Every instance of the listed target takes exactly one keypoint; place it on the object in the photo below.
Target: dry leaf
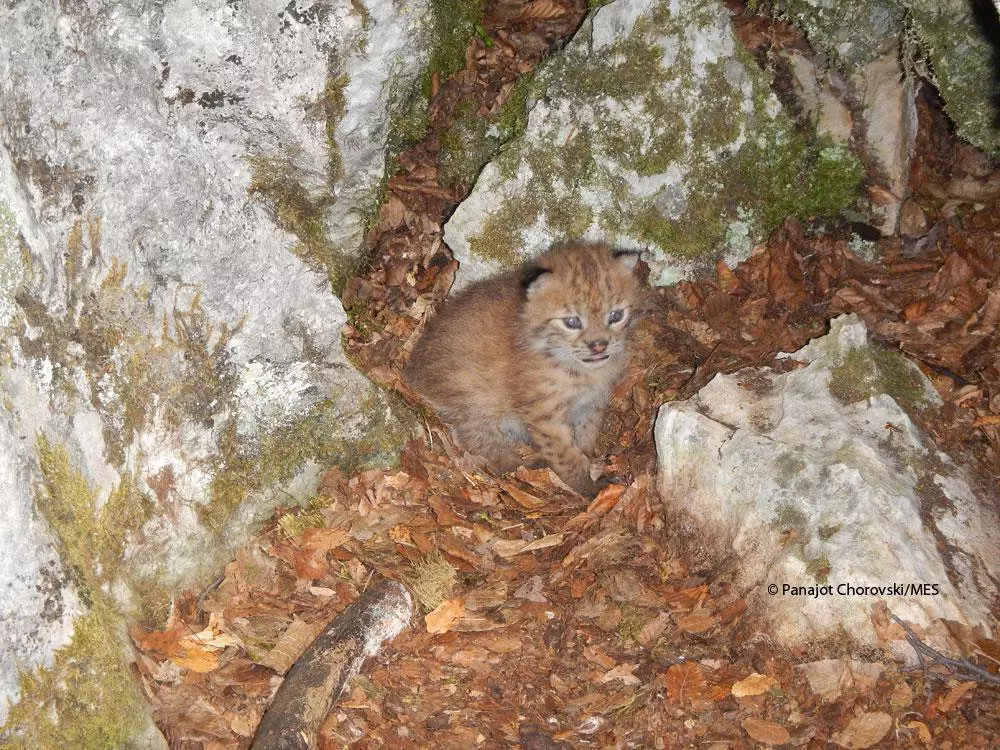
(955, 695)
(324, 539)
(622, 672)
(291, 645)
(653, 629)
(197, 660)
(766, 731)
(512, 547)
(686, 682)
(541, 10)
(755, 684)
(901, 696)
(864, 731)
(696, 623)
(445, 615)
(922, 731)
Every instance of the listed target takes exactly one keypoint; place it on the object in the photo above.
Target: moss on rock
(665, 136)
(86, 699)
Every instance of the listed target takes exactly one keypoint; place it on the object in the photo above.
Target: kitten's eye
(616, 316)
(573, 323)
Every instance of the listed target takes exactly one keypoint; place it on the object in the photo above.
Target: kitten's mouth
(596, 358)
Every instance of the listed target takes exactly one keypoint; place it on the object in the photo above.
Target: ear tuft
(530, 277)
(628, 258)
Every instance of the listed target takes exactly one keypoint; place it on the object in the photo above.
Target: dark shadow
(985, 14)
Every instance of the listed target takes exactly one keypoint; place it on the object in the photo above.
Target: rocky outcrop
(830, 496)
(183, 185)
(652, 130)
(948, 41)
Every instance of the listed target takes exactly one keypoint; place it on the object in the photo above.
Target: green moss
(334, 105)
(278, 183)
(788, 466)
(864, 372)
(244, 466)
(788, 517)
(454, 23)
(806, 178)
(630, 625)
(827, 532)
(819, 569)
(963, 64)
(82, 700)
(69, 506)
(86, 700)
(498, 241)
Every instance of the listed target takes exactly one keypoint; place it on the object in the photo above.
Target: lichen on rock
(652, 129)
(823, 478)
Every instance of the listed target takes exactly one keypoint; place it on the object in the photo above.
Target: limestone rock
(819, 477)
(890, 126)
(180, 184)
(952, 35)
(652, 130)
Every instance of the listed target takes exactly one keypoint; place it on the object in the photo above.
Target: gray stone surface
(651, 130)
(819, 476)
(180, 181)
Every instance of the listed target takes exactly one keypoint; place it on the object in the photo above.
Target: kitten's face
(579, 304)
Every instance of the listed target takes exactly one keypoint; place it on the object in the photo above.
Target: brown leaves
(755, 684)
(864, 731)
(686, 683)
(764, 731)
(443, 617)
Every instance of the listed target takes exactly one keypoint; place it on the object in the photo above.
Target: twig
(958, 667)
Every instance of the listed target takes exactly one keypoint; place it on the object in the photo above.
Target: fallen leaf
(901, 696)
(511, 547)
(864, 731)
(445, 615)
(622, 672)
(197, 660)
(653, 629)
(755, 684)
(696, 623)
(595, 655)
(828, 678)
(922, 731)
(686, 682)
(765, 731)
(291, 645)
(955, 695)
(324, 539)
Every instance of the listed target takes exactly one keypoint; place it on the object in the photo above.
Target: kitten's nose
(597, 347)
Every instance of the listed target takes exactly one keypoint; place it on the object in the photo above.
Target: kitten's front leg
(588, 430)
(554, 440)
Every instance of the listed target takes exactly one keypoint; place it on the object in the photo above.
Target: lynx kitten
(531, 357)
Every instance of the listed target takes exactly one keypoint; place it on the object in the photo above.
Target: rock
(181, 185)
(823, 106)
(953, 36)
(818, 477)
(652, 129)
(890, 126)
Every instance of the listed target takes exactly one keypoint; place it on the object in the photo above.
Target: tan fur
(502, 367)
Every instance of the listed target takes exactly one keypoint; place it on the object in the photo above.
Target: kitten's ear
(532, 278)
(627, 258)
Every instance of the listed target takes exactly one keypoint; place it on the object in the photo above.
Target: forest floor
(552, 621)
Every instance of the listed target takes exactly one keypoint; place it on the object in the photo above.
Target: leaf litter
(547, 621)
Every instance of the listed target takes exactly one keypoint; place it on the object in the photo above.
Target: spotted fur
(531, 357)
